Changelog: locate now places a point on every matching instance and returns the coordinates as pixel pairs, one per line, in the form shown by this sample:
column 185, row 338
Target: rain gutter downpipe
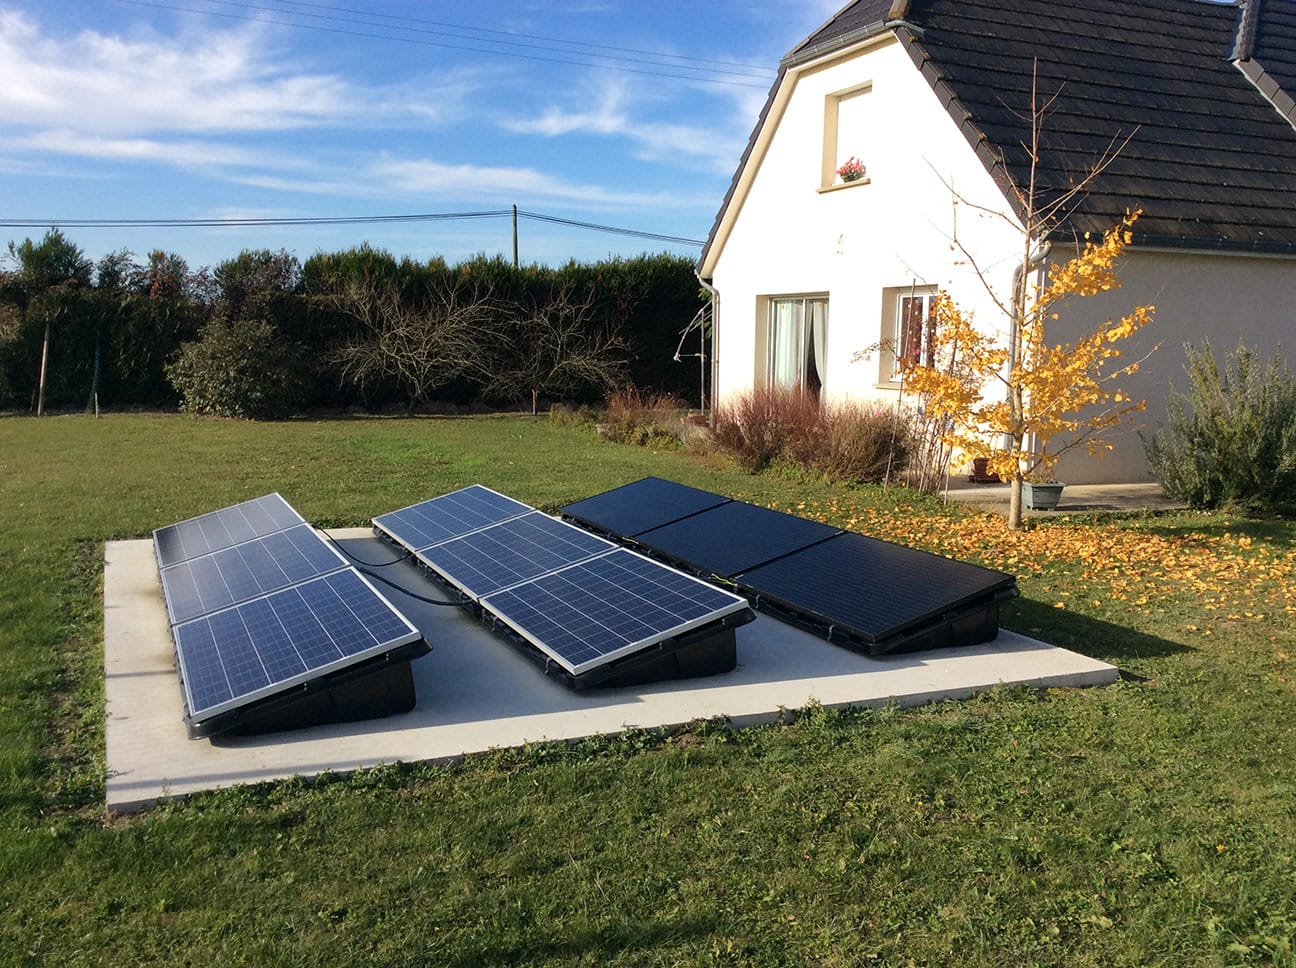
column 1034, row 259
column 715, row 336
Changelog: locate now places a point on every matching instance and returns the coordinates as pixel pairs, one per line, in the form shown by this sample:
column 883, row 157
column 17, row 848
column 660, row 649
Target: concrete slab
column 1075, row 497
column 476, row 692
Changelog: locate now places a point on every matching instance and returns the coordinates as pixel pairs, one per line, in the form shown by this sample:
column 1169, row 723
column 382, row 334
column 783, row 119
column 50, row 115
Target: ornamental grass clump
column 844, row 441
column 641, row 417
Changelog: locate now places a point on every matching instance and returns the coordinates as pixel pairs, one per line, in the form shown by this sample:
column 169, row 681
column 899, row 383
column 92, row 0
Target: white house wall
column 790, row 237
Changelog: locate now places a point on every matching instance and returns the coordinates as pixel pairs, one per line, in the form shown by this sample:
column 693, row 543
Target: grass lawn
column 1150, row 823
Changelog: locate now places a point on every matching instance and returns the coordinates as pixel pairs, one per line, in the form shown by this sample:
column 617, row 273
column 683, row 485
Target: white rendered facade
column 858, row 256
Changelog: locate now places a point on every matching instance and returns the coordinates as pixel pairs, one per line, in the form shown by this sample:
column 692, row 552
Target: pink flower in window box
column 852, row 169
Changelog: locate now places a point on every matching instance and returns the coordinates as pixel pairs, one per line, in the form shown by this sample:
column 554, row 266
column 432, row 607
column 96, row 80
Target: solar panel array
column 607, row 607
column 873, row 593
column 582, row 601
column 510, row 552
column 448, row 516
column 224, row 528
column 635, row 508
column 259, row 603
column 733, row 537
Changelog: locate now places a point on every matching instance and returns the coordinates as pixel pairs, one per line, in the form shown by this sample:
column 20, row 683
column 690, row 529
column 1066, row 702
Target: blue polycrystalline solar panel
column 224, row 528
column 448, row 516
column 634, row 508
column 510, row 552
column 234, row 657
column 614, row 605
column 884, row 595
column 246, row 571
column 734, row 537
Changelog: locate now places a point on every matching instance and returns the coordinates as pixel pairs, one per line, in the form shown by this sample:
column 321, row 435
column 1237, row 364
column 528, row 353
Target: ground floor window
column 908, row 330
column 798, row 337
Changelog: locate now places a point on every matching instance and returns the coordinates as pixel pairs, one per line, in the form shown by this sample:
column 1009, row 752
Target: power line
column 104, row 223
column 595, row 227
column 755, row 70
column 597, row 60
column 114, row 223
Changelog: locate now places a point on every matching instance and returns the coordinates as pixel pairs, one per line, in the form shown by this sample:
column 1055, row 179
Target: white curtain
column 785, row 343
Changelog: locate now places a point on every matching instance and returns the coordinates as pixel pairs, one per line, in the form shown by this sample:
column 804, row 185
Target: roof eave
column 1215, row 246
column 797, row 57
column 791, row 65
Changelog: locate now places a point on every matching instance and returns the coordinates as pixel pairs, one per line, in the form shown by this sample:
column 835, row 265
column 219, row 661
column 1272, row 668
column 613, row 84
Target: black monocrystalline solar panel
column 591, row 613
column 511, row 552
column 734, row 537
column 224, row 528
column 885, row 595
column 234, row 657
column 448, row 516
column 634, row 508
column 249, row 570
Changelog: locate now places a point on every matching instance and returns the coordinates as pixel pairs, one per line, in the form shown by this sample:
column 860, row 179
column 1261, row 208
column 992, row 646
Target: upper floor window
column 848, row 135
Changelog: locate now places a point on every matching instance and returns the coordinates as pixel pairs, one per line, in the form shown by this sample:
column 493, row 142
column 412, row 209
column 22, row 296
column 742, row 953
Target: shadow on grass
column 603, row 944
column 1085, row 634
column 1275, row 529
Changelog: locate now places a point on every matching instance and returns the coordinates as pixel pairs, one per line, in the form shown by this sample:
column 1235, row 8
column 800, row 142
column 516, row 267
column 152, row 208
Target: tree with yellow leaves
column 1055, row 397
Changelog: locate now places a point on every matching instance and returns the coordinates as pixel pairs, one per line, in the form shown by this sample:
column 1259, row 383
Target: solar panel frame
column 224, row 528
column 511, row 552
column 246, row 571
column 303, row 616
column 448, row 516
column 586, row 592
column 861, row 586
column 642, row 505
column 734, row 537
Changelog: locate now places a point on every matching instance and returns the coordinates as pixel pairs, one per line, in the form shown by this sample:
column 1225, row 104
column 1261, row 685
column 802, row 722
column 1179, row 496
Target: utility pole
column 515, row 240
column 40, row 399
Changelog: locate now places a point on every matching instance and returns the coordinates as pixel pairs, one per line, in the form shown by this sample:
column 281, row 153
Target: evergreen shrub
column 240, row 368
column 1230, row 438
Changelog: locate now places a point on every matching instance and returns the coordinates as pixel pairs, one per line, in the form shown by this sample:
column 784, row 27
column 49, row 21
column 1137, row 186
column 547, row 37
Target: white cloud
column 613, row 114
column 506, row 184
column 190, row 153
column 205, row 81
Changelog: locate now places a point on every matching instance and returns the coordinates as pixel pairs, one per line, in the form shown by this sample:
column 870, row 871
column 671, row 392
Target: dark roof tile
column 1274, row 44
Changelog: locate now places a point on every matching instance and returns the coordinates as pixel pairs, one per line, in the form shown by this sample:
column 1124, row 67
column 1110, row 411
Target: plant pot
column 1042, row 497
column 981, row 473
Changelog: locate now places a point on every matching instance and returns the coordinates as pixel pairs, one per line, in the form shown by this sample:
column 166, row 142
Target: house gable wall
column 791, row 236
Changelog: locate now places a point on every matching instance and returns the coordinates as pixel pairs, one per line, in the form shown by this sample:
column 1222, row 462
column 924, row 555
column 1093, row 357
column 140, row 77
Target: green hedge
column 132, row 333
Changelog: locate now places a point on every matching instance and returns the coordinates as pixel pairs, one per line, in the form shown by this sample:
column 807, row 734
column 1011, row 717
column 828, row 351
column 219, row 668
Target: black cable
column 763, row 70
column 359, row 561
column 386, row 564
column 596, row 227
column 120, row 223
column 432, row 43
column 250, row 222
column 406, row 591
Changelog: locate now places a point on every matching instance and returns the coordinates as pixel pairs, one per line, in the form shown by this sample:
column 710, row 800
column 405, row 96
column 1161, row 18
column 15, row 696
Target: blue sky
column 200, row 109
